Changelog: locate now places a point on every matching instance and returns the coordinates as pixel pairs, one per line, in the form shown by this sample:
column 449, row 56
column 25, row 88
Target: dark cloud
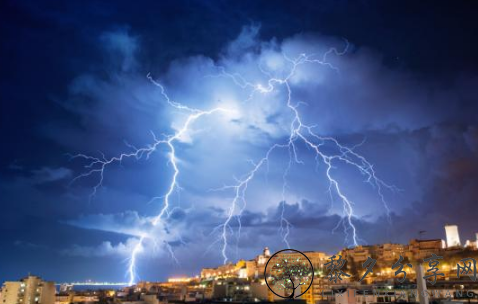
column 128, row 223
column 74, row 81
column 105, row 249
column 47, row 175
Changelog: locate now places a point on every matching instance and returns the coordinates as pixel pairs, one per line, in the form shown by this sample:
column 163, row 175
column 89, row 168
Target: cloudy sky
column 397, row 82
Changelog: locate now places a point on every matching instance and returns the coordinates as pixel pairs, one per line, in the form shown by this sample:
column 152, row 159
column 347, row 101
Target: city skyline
column 416, row 251
column 157, row 140
column 205, row 272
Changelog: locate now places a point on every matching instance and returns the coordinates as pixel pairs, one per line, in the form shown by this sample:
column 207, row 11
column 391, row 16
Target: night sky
column 74, row 80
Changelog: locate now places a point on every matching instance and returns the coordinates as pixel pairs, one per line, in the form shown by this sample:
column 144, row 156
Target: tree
column 287, row 272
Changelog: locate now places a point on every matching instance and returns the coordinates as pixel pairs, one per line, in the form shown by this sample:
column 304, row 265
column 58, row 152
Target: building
column 420, row 249
column 452, row 236
column 66, row 288
column 244, row 269
column 244, row 281
column 358, row 296
column 72, row 298
column 30, row 290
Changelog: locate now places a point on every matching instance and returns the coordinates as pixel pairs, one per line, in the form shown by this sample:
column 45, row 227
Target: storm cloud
column 417, row 128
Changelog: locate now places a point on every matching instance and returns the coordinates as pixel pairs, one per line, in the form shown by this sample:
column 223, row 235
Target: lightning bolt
column 98, row 166
column 305, row 134
column 299, row 133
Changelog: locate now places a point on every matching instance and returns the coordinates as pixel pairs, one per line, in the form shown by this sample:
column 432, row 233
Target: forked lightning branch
column 326, row 150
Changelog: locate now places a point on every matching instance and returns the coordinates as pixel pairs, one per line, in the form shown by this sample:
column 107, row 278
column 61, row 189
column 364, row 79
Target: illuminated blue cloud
column 89, row 91
column 223, row 145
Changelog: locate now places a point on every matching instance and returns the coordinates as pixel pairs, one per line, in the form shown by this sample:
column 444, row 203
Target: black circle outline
column 265, row 274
